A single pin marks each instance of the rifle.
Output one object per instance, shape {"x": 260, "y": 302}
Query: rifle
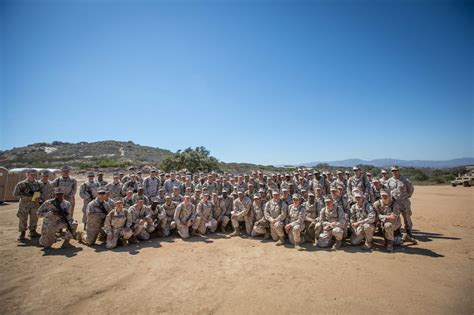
{"x": 63, "y": 216}
{"x": 102, "y": 208}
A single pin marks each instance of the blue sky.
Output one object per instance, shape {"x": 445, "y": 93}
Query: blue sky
{"x": 268, "y": 82}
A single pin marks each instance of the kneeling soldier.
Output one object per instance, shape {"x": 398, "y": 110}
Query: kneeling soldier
{"x": 57, "y": 215}
{"x": 332, "y": 220}
{"x": 362, "y": 222}
{"x": 296, "y": 217}
{"x": 117, "y": 225}
{"x": 388, "y": 211}
{"x": 142, "y": 222}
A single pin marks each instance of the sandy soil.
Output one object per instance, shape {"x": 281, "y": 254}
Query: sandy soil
{"x": 241, "y": 275}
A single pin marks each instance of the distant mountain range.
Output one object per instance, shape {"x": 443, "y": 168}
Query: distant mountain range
{"x": 56, "y": 154}
{"x": 389, "y": 162}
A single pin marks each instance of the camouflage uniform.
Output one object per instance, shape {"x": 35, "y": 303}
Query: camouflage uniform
{"x": 142, "y": 222}
{"x": 166, "y": 222}
{"x": 151, "y": 186}
{"x": 365, "y": 230}
{"x": 204, "y": 218}
{"x": 96, "y": 213}
{"x": 311, "y": 219}
{"x": 24, "y": 190}
{"x": 401, "y": 190}
{"x": 326, "y": 217}
{"x": 117, "y": 224}
{"x": 383, "y": 211}
{"x": 220, "y": 215}
{"x": 241, "y": 213}
{"x": 115, "y": 190}
{"x": 275, "y": 214}
{"x": 260, "y": 225}
{"x": 48, "y": 191}
{"x": 177, "y": 198}
{"x": 374, "y": 193}
{"x": 361, "y": 183}
{"x": 69, "y": 186}
{"x": 184, "y": 218}
{"x": 127, "y": 203}
{"x": 296, "y": 218}
{"x": 137, "y": 196}
{"x": 53, "y": 221}
{"x": 88, "y": 192}
{"x": 169, "y": 184}
{"x": 131, "y": 184}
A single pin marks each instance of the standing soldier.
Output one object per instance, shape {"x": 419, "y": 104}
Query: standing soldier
{"x": 260, "y": 225}
{"x": 170, "y": 183}
{"x": 241, "y": 213}
{"x": 152, "y": 185}
{"x": 128, "y": 199}
{"x": 401, "y": 190}
{"x": 374, "y": 191}
{"x": 48, "y": 189}
{"x": 115, "y": 188}
{"x": 29, "y": 192}
{"x": 88, "y": 192}
{"x": 358, "y": 181}
{"x": 117, "y": 225}
{"x": 332, "y": 220}
{"x": 296, "y": 218}
{"x": 96, "y": 212}
{"x": 69, "y": 186}
{"x": 384, "y": 179}
{"x": 57, "y": 215}
{"x": 362, "y": 222}
{"x": 100, "y": 179}
{"x": 184, "y": 217}
{"x": 140, "y": 195}
{"x": 275, "y": 213}
{"x": 131, "y": 184}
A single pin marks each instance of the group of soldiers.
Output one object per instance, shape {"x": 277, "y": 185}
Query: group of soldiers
{"x": 321, "y": 208}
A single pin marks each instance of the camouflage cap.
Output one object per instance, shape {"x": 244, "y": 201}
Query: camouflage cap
{"x": 90, "y": 174}
{"x": 58, "y": 190}
{"x": 31, "y": 171}
{"x": 101, "y": 190}
{"x": 358, "y": 195}
{"x": 394, "y": 168}
{"x": 384, "y": 193}
{"x": 119, "y": 200}
{"x": 355, "y": 168}
{"x": 311, "y": 194}
{"x": 45, "y": 173}
{"x": 65, "y": 168}
{"x": 327, "y": 199}
{"x": 383, "y": 172}
{"x": 296, "y": 196}
{"x": 256, "y": 196}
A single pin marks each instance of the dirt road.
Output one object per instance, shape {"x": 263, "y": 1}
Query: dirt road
{"x": 241, "y": 275}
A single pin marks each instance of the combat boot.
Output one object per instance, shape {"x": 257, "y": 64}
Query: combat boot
{"x": 298, "y": 247}
{"x": 337, "y": 245}
{"x": 22, "y": 236}
{"x": 367, "y": 246}
{"x": 133, "y": 240}
{"x": 80, "y": 237}
{"x": 389, "y": 246}
{"x": 266, "y": 236}
{"x": 222, "y": 229}
{"x": 281, "y": 241}
{"x": 34, "y": 234}
{"x": 235, "y": 233}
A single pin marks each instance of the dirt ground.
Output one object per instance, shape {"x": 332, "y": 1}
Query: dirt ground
{"x": 242, "y": 275}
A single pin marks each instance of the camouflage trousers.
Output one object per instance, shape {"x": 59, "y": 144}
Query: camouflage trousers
{"x": 276, "y": 230}
{"x": 116, "y": 233}
{"x": 309, "y": 231}
{"x": 362, "y": 232}
{"x": 72, "y": 201}
{"x": 389, "y": 229}
{"x": 49, "y": 230}
{"x": 202, "y": 225}
{"x": 95, "y": 222}
{"x": 224, "y": 221}
{"x": 143, "y": 228}
{"x": 405, "y": 209}
{"x": 294, "y": 235}
{"x": 27, "y": 209}
{"x": 260, "y": 227}
{"x": 248, "y": 222}
{"x": 166, "y": 225}
{"x": 326, "y": 236}
{"x": 84, "y": 210}
{"x": 183, "y": 230}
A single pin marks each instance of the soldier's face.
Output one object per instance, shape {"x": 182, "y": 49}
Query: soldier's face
{"x": 101, "y": 196}
{"x": 60, "y": 197}
{"x": 30, "y": 176}
{"x": 386, "y": 199}
{"x": 65, "y": 173}
{"x": 119, "y": 206}
{"x": 360, "y": 200}
{"x": 296, "y": 202}
{"x": 224, "y": 195}
{"x": 396, "y": 174}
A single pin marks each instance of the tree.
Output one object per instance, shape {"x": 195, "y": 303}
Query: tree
{"x": 194, "y": 160}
